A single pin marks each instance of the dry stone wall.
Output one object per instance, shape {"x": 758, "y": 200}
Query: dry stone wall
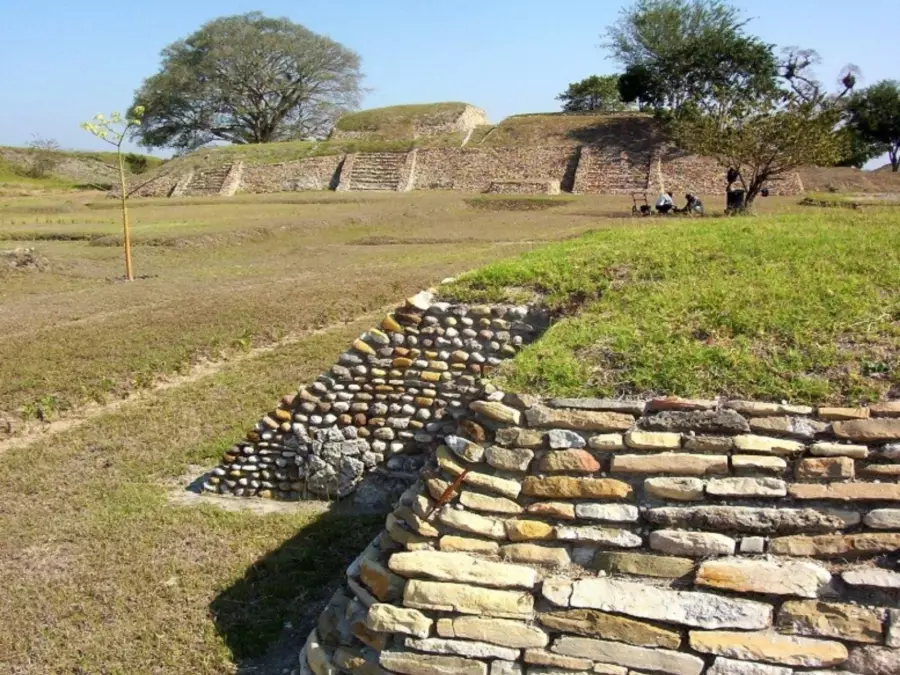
{"x": 314, "y": 173}
{"x": 682, "y": 173}
{"x": 376, "y": 413}
{"x": 671, "y": 536}
{"x": 473, "y": 170}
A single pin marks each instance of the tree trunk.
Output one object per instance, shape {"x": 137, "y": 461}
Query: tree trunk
{"x": 753, "y": 191}
{"x": 894, "y": 154}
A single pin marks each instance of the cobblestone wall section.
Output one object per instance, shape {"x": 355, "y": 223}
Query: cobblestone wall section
{"x": 683, "y": 173}
{"x": 473, "y": 170}
{"x": 314, "y": 173}
{"x": 672, "y": 536}
{"x": 380, "y": 407}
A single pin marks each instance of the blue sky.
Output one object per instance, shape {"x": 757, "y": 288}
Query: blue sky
{"x": 60, "y": 62}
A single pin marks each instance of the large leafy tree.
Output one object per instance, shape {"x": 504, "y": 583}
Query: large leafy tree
{"x": 874, "y": 114}
{"x": 676, "y": 52}
{"x": 600, "y": 93}
{"x": 247, "y": 79}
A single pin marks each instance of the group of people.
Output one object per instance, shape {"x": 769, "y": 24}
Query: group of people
{"x": 666, "y": 204}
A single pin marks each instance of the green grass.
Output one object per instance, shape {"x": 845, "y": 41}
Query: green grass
{"x": 397, "y": 119}
{"x": 798, "y": 307}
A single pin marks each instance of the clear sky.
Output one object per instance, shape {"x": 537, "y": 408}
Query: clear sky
{"x": 62, "y": 61}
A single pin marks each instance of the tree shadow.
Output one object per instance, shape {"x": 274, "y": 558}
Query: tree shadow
{"x": 265, "y": 616}
{"x": 627, "y": 130}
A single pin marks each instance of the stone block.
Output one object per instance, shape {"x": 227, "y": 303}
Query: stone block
{"x": 384, "y": 618}
{"x": 555, "y": 556}
{"x": 703, "y": 422}
{"x": 573, "y": 461}
{"x": 753, "y": 545}
{"x": 566, "y": 487}
{"x": 678, "y": 489}
{"x": 770, "y": 647}
{"x": 591, "y": 623}
{"x": 600, "y": 535}
{"x": 606, "y": 442}
{"x": 384, "y": 585}
{"x": 614, "y": 513}
{"x": 716, "y": 444}
{"x": 529, "y": 530}
{"x": 671, "y": 463}
{"x": 634, "y": 407}
{"x": 464, "y": 449}
{"x": 801, "y": 579}
{"x": 453, "y": 543}
{"x": 486, "y": 503}
{"x": 758, "y": 464}
{"x": 846, "y": 491}
{"x": 762, "y": 409}
{"x": 768, "y": 446}
{"x": 652, "y": 440}
{"x": 502, "y": 632}
{"x": 541, "y": 657}
{"x": 883, "y": 519}
{"x": 509, "y": 459}
{"x": 465, "y": 521}
{"x": 468, "y": 599}
{"x": 723, "y": 666}
{"x": 519, "y": 438}
{"x": 690, "y": 608}
{"x": 838, "y": 414}
{"x": 563, "y": 439}
{"x": 467, "y": 648}
{"x": 411, "y": 663}
{"x": 578, "y": 420}
{"x": 825, "y": 468}
{"x": 874, "y": 661}
{"x": 752, "y": 520}
{"x": 886, "y": 409}
{"x": 835, "y": 546}
{"x": 562, "y": 510}
{"x": 617, "y": 653}
{"x": 693, "y": 544}
{"x": 643, "y": 564}
{"x": 839, "y": 450}
{"x": 872, "y": 577}
{"x": 795, "y": 427}
{"x": 505, "y": 668}
{"x": 557, "y": 591}
{"x": 462, "y": 568}
{"x": 831, "y": 620}
{"x": 880, "y": 430}
{"x": 746, "y": 487}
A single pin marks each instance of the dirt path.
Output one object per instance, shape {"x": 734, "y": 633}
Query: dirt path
{"x": 36, "y": 431}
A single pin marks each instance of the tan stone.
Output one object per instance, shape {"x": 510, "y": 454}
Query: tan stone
{"x": 468, "y": 599}
{"x": 717, "y": 444}
{"x": 606, "y": 442}
{"x": 356, "y": 663}
{"x": 679, "y": 489}
{"x": 390, "y": 324}
{"x": 846, "y": 491}
{"x": 560, "y": 510}
{"x": 575, "y": 461}
{"x": 436, "y": 487}
{"x": 758, "y": 463}
{"x": 762, "y": 409}
{"x": 502, "y": 632}
{"x": 642, "y": 564}
{"x": 412, "y": 663}
{"x": 671, "y": 463}
{"x": 695, "y": 544}
{"x": 760, "y": 576}
{"x": 839, "y": 450}
{"x": 466, "y": 521}
{"x": 383, "y": 584}
{"x": 886, "y": 409}
{"x": 881, "y": 470}
{"x": 652, "y": 440}
{"x": 557, "y": 590}
{"x": 520, "y": 438}
{"x": 766, "y": 445}
{"x": 838, "y": 414}
{"x": 825, "y": 468}
{"x": 837, "y": 545}
{"x": 535, "y": 554}
{"x": 403, "y": 536}
{"x": 770, "y": 647}
{"x": 592, "y": 623}
{"x": 480, "y": 502}
{"x": 540, "y": 657}
{"x": 453, "y": 543}
{"x": 831, "y": 620}
{"x": 798, "y": 427}
{"x": 529, "y": 530}
{"x": 639, "y": 658}
{"x": 578, "y": 420}
{"x": 509, "y": 459}
{"x": 883, "y": 519}
{"x": 494, "y": 410}
{"x": 415, "y": 522}
{"x": 503, "y": 486}
{"x": 384, "y": 618}
{"x": 463, "y": 568}
{"x": 877, "y": 430}
{"x": 566, "y": 487}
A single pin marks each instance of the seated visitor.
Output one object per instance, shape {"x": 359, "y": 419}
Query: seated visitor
{"x": 665, "y": 203}
{"x": 693, "y": 205}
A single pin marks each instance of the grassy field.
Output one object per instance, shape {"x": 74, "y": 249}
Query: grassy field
{"x": 804, "y": 307}
{"x": 107, "y": 575}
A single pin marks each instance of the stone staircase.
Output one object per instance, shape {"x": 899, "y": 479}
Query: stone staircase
{"x": 377, "y": 171}
{"x": 209, "y": 182}
{"x": 613, "y": 171}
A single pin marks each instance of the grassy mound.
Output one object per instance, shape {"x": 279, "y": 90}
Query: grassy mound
{"x": 400, "y": 121}
{"x": 568, "y": 129}
{"x": 67, "y": 169}
{"x": 797, "y": 307}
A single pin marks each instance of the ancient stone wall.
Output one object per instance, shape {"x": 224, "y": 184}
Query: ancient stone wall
{"x": 314, "y": 173}
{"x": 523, "y": 187}
{"x": 468, "y": 119}
{"x": 473, "y": 170}
{"x": 671, "y": 536}
{"x": 375, "y": 414}
{"x": 682, "y": 173}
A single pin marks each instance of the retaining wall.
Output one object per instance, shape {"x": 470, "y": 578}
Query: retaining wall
{"x": 473, "y": 170}
{"x": 314, "y": 173}
{"x": 629, "y": 537}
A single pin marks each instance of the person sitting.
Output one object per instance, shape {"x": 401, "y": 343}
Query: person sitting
{"x": 665, "y": 203}
{"x": 693, "y": 205}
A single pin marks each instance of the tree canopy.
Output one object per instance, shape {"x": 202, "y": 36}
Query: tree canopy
{"x": 600, "y": 93}
{"x": 247, "y": 79}
{"x": 874, "y": 115}
{"x": 686, "y": 51}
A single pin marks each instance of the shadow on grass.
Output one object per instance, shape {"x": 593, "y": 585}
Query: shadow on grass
{"x": 265, "y": 616}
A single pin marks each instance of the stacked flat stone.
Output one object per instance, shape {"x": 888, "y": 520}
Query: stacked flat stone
{"x": 380, "y": 406}
{"x": 672, "y": 536}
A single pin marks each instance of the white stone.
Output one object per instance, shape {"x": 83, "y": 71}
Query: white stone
{"x": 802, "y": 579}
{"x": 746, "y": 487}
{"x": 838, "y": 450}
{"x": 893, "y": 635}
{"x": 558, "y": 591}
{"x": 701, "y": 610}
{"x": 652, "y": 440}
{"x": 469, "y": 648}
{"x": 883, "y": 519}
{"x": 723, "y": 666}
{"x": 462, "y": 568}
{"x": 472, "y": 523}
{"x": 614, "y": 513}
{"x": 604, "y": 535}
{"x": 606, "y": 442}
{"x": 618, "y": 653}
{"x": 505, "y": 668}
{"x": 696, "y": 544}
{"x": 766, "y": 445}
{"x": 762, "y": 463}
{"x": 465, "y": 449}
{"x": 384, "y": 618}
{"x": 502, "y": 632}
{"x": 753, "y": 545}
{"x": 872, "y": 576}
{"x": 679, "y": 489}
